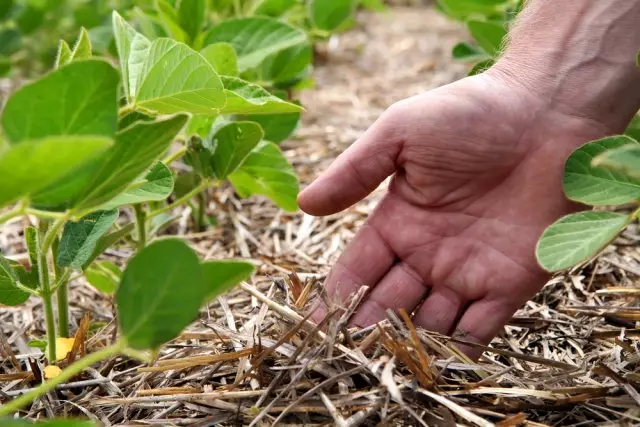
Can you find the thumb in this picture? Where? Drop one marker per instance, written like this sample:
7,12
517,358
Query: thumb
358,170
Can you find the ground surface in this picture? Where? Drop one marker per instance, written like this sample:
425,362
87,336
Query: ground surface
570,357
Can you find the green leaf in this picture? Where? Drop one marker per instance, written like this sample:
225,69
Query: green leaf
275,8
186,182
10,41
170,19
222,276
287,65
246,98
157,185
328,15
5,8
105,242
79,239
267,172
10,294
254,39
104,276
462,9
222,57
578,237
64,54
481,67
136,149
488,35
161,292
625,159
132,50
192,15
31,165
633,130
232,144
82,48
594,186
466,52
174,78
132,117
77,99
276,127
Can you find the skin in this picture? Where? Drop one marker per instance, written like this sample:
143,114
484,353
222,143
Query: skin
477,171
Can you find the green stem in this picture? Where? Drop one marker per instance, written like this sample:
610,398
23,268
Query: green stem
174,156
182,200
202,202
61,290
73,370
14,213
44,214
28,289
141,226
46,295
63,280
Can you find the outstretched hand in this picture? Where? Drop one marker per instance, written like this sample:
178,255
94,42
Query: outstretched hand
477,172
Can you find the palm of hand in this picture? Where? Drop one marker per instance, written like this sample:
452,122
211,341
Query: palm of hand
478,172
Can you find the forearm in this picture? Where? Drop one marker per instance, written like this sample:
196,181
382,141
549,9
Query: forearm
580,55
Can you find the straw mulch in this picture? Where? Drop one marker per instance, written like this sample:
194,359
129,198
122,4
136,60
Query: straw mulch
569,357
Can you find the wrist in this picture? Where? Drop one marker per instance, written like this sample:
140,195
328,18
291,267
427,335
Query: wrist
577,59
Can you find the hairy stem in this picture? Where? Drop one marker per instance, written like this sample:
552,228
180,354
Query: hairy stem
13,213
182,200
61,290
46,295
141,226
71,371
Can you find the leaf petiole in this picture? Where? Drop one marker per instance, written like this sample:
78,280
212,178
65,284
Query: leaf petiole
182,200
174,156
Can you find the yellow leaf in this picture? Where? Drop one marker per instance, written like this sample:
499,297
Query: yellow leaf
63,347
51,371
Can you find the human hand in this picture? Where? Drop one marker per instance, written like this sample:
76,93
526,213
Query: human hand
477,177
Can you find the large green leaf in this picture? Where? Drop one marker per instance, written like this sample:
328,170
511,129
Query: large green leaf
161,292
254,39
625,159
136,149
31,165
105,242
157,185
267,172
174,78
192,15
232,144
10,294
222,57
79,239
287,65
77,99
221,276
576,238
488,35
246,98
328,15
594,186
276,127
132,50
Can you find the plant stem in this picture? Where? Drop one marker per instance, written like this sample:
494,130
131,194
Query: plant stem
73,369
45,294
61,291
16,212
44,214
141,226
182,200
202,202
174,156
